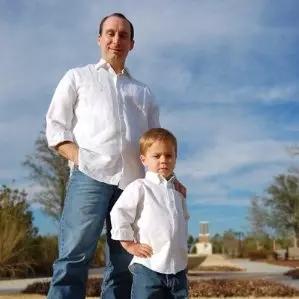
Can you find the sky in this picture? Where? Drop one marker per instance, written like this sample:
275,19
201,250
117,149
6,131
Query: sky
225,75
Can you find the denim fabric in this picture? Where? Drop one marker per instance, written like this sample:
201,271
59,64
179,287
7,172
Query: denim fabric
87,205
148,284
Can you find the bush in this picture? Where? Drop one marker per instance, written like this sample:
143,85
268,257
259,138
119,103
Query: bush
45,252
258,255
294,273
99,259
275,255
15,260
93,288
16,234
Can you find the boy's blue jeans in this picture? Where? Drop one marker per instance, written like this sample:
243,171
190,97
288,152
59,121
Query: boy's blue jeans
148,284
88,203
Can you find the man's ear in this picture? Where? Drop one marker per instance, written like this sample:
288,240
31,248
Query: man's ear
132,45
99,40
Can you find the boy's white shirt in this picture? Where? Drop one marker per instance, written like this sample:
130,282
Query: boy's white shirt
151,211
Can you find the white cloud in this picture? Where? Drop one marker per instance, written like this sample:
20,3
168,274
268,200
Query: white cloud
277,93
230,156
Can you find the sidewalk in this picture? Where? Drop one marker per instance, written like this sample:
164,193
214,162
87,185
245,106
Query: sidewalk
18,285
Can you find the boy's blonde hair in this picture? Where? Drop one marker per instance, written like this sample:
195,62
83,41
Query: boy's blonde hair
153,135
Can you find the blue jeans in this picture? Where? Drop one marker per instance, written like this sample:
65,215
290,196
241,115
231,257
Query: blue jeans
88,204
148,284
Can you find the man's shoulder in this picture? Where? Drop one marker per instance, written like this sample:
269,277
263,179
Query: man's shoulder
138,82
143,88
82,69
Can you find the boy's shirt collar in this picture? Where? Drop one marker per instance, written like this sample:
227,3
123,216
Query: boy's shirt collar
159,179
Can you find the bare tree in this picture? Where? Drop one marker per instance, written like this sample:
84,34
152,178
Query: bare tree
50,171
257,217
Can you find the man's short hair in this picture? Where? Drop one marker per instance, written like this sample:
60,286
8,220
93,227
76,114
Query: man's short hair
121,16
153,135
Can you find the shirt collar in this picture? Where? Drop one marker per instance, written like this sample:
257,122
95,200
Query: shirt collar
157,178
104,64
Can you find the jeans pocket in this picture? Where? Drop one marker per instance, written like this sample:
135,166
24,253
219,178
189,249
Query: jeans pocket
136,268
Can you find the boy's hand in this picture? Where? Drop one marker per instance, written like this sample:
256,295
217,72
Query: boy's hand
137,249
180,188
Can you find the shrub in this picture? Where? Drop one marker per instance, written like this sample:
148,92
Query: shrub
16,234
258,255
45,252
99,259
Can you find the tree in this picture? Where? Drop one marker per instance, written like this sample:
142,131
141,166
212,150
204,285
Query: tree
16,232
217,243
51,172
282,199
190,242
230,243
257,217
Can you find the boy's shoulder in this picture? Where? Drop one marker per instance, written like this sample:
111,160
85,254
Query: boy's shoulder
136,184
139,183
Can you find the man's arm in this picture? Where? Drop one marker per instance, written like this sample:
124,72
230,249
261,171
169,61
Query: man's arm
59,118
153,111
68,150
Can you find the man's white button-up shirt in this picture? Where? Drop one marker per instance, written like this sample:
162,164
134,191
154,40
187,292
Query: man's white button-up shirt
151,211
105,115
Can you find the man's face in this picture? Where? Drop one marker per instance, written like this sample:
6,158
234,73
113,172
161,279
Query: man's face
160,158
115,41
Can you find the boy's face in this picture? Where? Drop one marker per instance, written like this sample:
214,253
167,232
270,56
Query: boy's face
160,158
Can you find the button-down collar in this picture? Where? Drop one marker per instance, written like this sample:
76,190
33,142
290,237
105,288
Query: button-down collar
104,64
159,179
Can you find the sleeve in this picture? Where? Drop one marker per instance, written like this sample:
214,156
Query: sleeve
60,113
124,211
153,110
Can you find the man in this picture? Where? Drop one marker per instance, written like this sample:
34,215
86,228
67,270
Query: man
96,117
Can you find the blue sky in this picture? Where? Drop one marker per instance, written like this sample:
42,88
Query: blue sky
225,74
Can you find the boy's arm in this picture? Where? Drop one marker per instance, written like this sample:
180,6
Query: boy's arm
122,218
137,249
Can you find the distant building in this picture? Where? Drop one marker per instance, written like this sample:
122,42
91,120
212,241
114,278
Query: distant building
204,246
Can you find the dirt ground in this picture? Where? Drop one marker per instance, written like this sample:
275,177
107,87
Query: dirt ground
42,297
289,263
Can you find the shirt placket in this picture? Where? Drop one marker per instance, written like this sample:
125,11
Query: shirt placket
120,110
172,213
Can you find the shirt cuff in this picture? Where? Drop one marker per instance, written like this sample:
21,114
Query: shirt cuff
60,137
122,234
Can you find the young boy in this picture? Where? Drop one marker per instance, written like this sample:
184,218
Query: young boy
150,220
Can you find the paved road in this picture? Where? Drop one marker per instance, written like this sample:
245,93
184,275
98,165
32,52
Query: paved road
267,271
18,285
253,269
259,267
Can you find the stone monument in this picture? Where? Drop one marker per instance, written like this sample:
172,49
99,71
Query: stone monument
204,246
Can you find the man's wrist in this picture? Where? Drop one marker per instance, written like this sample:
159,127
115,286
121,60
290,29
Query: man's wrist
75,156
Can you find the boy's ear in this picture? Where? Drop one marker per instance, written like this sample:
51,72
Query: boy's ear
142,158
